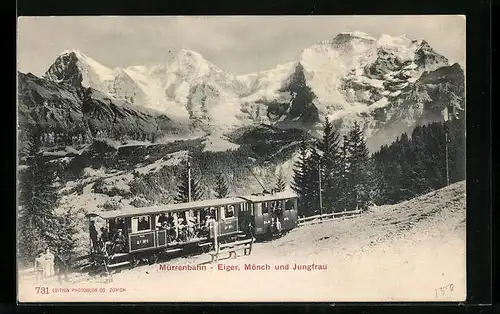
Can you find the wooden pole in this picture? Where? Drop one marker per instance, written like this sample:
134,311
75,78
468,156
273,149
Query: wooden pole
447,118
446,155
216,235
320,192
189,180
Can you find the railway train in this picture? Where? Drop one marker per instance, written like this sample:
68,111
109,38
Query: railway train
132,235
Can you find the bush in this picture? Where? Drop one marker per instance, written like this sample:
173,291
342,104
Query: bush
79,188
140,202
98,185
110,205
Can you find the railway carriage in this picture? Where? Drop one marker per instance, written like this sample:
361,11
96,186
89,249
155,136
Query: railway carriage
147,233
281,207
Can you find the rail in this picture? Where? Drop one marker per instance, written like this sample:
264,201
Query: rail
325,217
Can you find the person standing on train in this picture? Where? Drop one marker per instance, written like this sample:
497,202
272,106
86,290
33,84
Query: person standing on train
277,215
210,223
176,227
162,219
119,241
104,242
190,225
93,235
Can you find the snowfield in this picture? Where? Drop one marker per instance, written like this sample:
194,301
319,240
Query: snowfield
401,252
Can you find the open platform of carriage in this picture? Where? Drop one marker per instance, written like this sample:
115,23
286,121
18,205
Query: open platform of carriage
232,248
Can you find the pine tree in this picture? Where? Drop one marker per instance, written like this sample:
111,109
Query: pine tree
280,183
183,190
302,180
359,176
312,179
298,176
221,189
412,167
344,176
37,223
331,166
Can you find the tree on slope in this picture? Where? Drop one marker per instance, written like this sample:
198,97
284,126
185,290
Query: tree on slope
331,166
183,189
221,188
280,182
38,225
302,182
359,169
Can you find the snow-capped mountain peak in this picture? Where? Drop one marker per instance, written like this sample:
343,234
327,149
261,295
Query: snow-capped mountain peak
358,34
189,63
351,75
79,69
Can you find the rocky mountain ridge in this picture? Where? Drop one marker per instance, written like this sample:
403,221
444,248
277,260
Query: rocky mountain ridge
353,77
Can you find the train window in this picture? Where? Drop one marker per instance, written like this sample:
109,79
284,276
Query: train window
229,212
289,204
265,208
237,208
141,223
213,213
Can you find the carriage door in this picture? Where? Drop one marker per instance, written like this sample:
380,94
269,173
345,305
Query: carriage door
289,214
244,216
259,220
280,206
228,222
266,215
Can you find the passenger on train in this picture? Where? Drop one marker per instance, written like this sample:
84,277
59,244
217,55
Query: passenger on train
162,221
170,227
175,227
93,235
104,234
230,211
209,220
104,240
181,226
276,213
191,226
279,208
119,242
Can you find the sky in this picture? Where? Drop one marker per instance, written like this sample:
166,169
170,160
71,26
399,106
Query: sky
238,44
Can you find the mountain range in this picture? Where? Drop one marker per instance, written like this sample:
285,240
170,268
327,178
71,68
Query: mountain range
390,84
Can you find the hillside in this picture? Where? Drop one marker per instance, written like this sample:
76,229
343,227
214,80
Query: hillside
401,252
65,114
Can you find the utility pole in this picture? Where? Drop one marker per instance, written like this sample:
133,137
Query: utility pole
446,118
320,192
189,179
446,155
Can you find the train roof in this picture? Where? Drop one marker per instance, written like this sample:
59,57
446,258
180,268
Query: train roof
138,211
270,197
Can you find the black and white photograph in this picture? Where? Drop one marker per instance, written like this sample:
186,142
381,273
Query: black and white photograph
241,158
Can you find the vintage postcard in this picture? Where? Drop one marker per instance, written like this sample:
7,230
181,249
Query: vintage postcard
241,159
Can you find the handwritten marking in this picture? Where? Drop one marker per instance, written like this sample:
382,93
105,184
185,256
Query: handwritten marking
442,291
